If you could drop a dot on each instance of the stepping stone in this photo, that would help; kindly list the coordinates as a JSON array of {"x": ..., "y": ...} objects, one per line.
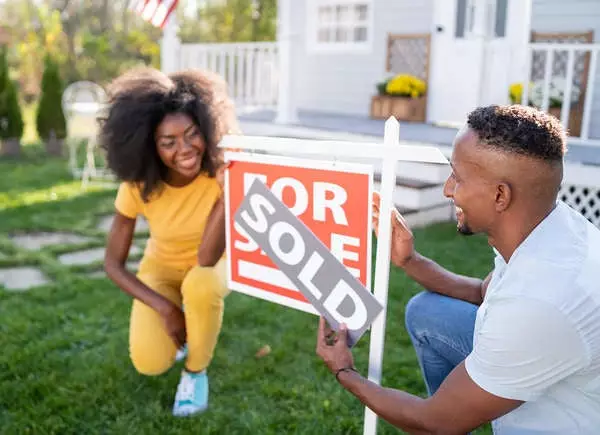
[
  {"x": 141, "y": 225},
  {"x": 35, "y": 241},
  {"x": 87, "y": 256},
  {"x": 22, "y": 278}
]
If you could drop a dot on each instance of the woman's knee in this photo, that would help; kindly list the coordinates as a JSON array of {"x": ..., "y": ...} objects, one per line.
[
  {"x": 151, "y": 364},
  {"x": 204, "y": 283}
]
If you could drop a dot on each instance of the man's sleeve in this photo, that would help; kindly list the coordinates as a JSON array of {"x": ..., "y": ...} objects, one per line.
[
  {"x": 523, "y": 347},
  {"x": 128, "y": 202}
]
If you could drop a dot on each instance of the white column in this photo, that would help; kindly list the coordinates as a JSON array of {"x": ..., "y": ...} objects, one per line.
[
  {"x": 518, "y": 33},
  {"x": 169, "y": 46},
  {"x": 286, "y": 106}
]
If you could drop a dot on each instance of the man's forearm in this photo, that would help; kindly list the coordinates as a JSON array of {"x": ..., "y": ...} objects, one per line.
[
  {"x": 435, "y": 278},
  {"x": 399, "y": 408}
]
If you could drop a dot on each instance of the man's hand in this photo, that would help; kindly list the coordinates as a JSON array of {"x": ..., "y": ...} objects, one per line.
[
  {"x": 332, "y": 348},
  {"x": 403, "y": 246},
  {"x": 174, "y": 322}
]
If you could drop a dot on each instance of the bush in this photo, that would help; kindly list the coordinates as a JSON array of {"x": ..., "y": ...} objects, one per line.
[
  {"x": 50, "y": 119},
  {"x": 11, "y": 120}
]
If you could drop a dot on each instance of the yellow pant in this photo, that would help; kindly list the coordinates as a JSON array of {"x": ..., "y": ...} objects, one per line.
[{"x": 201, "y": 290}]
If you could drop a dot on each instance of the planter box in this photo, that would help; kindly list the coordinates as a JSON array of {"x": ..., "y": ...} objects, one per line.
[{"x": 401, "y": 108}]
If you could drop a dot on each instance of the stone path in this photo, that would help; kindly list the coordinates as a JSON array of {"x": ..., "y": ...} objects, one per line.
[
  {"x": 35, "y": 241},
  {"x": 22, "y": 278}
]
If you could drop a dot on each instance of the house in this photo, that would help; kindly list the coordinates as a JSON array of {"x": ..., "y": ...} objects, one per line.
[{"x": 330, "y": 56}]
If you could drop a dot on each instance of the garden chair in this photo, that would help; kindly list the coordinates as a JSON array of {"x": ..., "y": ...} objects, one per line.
[{"x": 82, "y": 103}]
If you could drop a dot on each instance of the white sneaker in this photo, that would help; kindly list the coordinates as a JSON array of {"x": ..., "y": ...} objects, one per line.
[{"x": 192, "y": 394}]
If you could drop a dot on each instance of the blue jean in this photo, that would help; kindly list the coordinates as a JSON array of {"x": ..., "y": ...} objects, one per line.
[{"x": 441, "y": 330}]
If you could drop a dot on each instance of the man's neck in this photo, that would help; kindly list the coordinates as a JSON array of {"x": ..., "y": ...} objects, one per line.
[{"x": 514, "y": 229}]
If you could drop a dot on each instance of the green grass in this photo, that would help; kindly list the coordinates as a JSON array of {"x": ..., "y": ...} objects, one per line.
[{"x": 64, "y": 366}]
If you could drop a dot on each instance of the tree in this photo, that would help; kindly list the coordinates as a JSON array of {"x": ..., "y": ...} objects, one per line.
[
  {"x": 50, "y": 119},
  {"x": 11, "y": 120}
]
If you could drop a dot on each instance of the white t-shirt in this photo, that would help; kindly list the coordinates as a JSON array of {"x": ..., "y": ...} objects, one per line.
[{"x": 537, "y": 333}]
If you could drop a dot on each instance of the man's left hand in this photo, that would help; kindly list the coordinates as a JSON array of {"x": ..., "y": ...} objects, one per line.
[{"x": 332, "y": 347}]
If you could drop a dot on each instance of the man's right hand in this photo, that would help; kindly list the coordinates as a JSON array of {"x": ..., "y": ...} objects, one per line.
[
  {"x": 174, "y": 322},
  {"x": 403, "y": 247}
]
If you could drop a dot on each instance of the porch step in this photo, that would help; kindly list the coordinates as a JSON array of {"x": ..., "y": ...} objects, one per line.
[
  {"x": 415, "y": 194},
  {"x": 427, "y": 172},
  {"x": 427, "y": 216}
]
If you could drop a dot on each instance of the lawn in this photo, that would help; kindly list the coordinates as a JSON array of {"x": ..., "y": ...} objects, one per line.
[{"x": 64, "y": 366}]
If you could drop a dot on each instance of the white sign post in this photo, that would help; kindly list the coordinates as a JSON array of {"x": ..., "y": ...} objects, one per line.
[{"x": 388, "y": 153}]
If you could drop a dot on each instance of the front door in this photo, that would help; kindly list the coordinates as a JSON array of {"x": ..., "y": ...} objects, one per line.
[{"x": 463, "y": 33}]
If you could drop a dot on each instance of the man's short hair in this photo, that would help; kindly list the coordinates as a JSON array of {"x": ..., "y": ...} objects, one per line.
[{"x": 519, "y": 129}]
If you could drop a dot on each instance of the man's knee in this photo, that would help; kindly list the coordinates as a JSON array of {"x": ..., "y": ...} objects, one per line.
[{"x": 415, "y": 312}]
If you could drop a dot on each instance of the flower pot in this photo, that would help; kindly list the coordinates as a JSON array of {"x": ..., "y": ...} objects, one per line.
[
  {"x": 575, "y": 118},
  {"x": 10, "y": 147},
  {"x": 401, "y": 108}
]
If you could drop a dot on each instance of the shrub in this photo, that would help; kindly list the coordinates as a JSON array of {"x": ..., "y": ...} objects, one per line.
[
  {"x": 11, "y": 120},
  {"x": 50, "y": 119}
]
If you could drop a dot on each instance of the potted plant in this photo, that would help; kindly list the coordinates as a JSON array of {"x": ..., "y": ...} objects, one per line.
[
  {"x": 50, "y": 119},
  {"x": 556, "y": 90},
  {"x": 401, "y": 96},
  {"x": 11, "y": 120}
]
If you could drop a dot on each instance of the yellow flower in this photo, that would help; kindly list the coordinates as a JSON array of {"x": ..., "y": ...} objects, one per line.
[{"x": 406, "y": 85}]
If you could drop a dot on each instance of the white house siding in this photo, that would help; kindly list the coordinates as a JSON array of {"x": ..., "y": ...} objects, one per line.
[
  {"x": 343, "y": 82},
  {"x": 572, "y": 16}
]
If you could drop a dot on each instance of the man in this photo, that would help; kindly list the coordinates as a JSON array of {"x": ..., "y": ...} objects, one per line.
[{"x": 522, "y": 347}]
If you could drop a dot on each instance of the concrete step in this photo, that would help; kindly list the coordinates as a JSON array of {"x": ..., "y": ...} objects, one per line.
[
  {"x": 427, "y": 172},
  {"x": 415, "y": 194},
  {"x": 427, "y": 216}
]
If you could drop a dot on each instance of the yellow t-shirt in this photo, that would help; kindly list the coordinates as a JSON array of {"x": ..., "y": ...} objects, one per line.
[{"x": 176, "y": 216}]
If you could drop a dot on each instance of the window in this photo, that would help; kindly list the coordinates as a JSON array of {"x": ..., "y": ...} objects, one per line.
[
  {"x": 340, "y": 24},
  {"x": 493, "y": 19}
]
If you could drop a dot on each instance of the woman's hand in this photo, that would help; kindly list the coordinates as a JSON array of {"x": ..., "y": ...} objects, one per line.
[{"x": 174, "y": 322}]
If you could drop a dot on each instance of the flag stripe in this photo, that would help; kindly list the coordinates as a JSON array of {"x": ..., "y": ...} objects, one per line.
[{"x": 156, "y": 12}]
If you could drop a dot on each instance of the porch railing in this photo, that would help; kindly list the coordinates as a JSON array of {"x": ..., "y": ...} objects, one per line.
[
  {"x": 250, "y": 69},
  {"x": 563, "y": 81}
]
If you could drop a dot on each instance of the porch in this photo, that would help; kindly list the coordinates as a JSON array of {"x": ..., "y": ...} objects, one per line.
[{"x": 262, "y": 122}]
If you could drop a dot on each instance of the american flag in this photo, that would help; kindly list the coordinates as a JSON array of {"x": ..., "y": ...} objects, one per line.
[{"x": 155, "y": 12}]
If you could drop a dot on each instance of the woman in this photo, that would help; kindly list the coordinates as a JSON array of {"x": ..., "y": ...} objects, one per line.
[{"x": 160, "y": 135}]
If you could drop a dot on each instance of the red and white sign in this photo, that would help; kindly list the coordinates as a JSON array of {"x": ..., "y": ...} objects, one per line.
[{"x": 332, "y": 199}]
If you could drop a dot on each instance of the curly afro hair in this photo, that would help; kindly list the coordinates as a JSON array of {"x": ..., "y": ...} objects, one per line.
[
  {"x": 137, "y": 103},
  {"x": 521, "y": 130}
]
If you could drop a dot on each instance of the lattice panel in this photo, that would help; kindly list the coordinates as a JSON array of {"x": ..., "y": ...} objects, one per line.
[
  {"x": 409, "y": 54},
  {"x": 586, "y": 200},
  {"x": 561, "y": 58}
]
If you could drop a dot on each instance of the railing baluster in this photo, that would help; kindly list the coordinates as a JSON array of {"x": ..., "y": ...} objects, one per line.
[
  {"x": 525, "y": 93},
  {"x": 547, "y": 78},
  {"x": 589, "y": 95},
  {"x": 566, "y": 105}
]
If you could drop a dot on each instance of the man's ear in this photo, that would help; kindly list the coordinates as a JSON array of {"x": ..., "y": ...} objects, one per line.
[{"x": 504, "y": 195}]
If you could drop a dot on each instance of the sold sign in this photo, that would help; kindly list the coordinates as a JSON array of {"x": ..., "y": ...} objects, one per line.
[
  {"x": 328, "y": 285},
  {"x": 332, "y": 201}
]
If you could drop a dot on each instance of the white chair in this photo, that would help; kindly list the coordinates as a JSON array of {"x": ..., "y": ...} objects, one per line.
[{"x": 82, "y": 103}]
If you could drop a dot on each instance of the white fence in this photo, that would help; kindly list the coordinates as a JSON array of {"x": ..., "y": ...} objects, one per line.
[
  {"x": 563, "y": 81},
  {"x": 251, "y": 69}
]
